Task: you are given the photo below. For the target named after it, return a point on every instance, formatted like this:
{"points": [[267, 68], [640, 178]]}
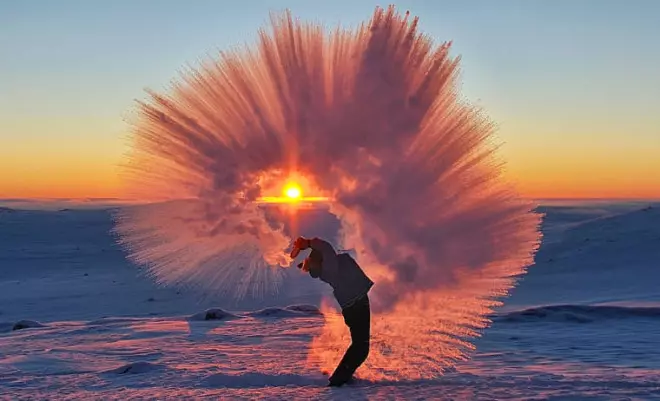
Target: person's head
{"points": [[313, 261]]}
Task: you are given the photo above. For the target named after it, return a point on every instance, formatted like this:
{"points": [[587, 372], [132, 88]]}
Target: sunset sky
{"points": [[573, 85]]}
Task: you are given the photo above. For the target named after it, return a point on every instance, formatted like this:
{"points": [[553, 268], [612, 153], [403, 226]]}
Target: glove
{"points": [[298, 245]]}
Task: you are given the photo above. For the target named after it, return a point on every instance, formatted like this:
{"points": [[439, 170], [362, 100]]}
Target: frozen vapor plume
{"points": [[373, 118]]}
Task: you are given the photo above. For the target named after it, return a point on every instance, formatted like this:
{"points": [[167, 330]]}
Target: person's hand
{"points": [[298, 245], [304, 266]]}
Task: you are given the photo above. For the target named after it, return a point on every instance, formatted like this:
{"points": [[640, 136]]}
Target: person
{"points": [[350, 287]]}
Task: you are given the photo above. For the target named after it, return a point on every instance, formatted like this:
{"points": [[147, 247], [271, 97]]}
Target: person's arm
{"points": [[315, 271], [330, 262]]}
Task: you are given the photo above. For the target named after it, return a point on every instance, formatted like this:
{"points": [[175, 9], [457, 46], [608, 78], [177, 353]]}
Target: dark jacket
{"points": [[341, 271]]}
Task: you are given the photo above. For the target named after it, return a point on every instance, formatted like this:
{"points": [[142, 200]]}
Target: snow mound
{"points": [[254, 379], [289, 311], [579, 313], [26, 324], [615, 241], [212, 314], [135, 368], [306, 309]]}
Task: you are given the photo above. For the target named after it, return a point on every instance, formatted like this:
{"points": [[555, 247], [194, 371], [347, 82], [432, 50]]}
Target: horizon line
{"points": [[114, 199]]}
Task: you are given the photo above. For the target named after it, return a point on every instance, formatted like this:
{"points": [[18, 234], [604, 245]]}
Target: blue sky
{"points": [[549, 72]]}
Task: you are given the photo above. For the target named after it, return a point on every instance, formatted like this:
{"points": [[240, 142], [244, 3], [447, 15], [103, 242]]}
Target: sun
{"points": [[293, 191]]}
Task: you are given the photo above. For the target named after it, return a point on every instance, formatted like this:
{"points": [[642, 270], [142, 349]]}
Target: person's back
{"points": [[350, 287], [348, 282]]}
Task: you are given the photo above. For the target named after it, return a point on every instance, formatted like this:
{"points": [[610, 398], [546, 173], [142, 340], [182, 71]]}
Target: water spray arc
{"points": [[373, 119]]}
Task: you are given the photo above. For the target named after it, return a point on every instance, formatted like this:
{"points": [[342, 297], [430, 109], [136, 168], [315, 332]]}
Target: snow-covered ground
{"points": [[78, 322]]}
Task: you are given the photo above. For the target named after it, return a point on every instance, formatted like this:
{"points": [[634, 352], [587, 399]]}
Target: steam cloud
{"points": [[374, 119]]}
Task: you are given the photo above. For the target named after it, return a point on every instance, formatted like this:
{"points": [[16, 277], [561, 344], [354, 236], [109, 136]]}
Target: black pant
{"points": [[358, 319]]}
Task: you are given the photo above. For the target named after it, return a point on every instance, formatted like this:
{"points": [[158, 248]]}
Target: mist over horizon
{"points": [[108, 203]]}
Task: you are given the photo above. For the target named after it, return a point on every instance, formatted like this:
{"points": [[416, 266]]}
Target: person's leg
{"points": [[358, 320], [360, 333]]}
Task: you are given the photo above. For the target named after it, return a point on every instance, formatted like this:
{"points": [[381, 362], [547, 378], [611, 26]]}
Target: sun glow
{"points": [[293, 193]]}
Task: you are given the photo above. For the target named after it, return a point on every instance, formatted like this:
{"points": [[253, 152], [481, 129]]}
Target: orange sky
{"points": [[79, 157], [61, 157], [79, 178]]}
